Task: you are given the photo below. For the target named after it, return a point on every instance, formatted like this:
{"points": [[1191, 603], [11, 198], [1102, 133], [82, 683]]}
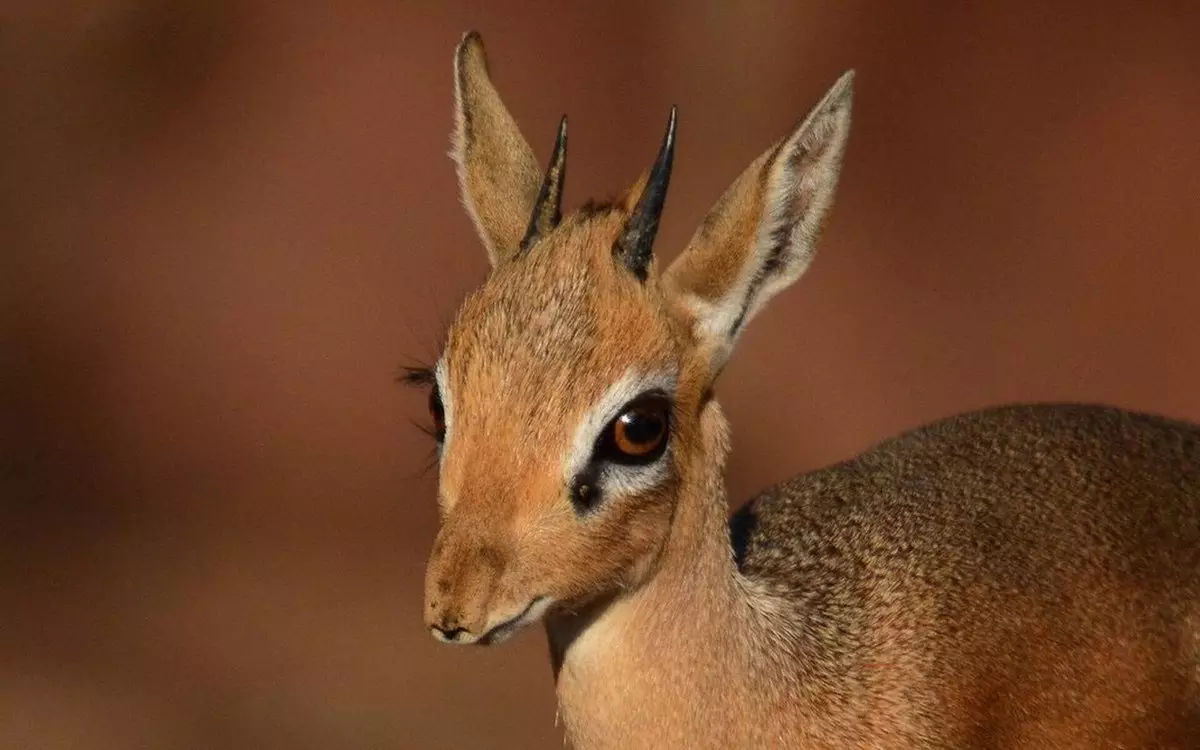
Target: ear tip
{"points": [[844, 88], [471, 45]]}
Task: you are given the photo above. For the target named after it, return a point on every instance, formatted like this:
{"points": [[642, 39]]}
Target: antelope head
{"points": [[569, 398]]}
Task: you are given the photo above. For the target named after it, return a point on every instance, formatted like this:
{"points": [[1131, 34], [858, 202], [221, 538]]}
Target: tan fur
{"points": [[1020, 577]]}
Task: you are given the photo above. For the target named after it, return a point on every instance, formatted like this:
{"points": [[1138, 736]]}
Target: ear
{"points": [[760, 236], [498, 174]]}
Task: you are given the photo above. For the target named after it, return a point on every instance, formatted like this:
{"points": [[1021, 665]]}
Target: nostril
{"points": [[449, 634]]}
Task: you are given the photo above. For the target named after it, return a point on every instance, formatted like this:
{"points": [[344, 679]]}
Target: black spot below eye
{"points": [[639, 434], [438, 412], [585, 490]]}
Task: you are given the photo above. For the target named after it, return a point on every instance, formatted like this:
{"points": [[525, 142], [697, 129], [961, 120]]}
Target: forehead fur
{"points": [[552, 329]]}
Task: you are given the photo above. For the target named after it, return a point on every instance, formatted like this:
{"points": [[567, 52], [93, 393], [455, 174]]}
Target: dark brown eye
{"points": [[639, 434], [438, 412]]}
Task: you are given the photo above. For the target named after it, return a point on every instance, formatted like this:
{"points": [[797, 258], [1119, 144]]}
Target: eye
{"points": [[438, 412], [639, 434]]}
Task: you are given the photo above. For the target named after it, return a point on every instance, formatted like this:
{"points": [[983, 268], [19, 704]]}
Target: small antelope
{"points": [[1019, 577]]}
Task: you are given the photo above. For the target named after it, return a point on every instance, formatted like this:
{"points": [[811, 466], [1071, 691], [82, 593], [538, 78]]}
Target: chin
{"points": [[502, 631]]}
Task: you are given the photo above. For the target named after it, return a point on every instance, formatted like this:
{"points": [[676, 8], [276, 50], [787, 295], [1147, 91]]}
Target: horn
{"points": [[636, 243], [547, 211]]}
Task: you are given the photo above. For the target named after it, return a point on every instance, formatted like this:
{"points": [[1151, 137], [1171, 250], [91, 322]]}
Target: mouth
{"points": [[502, 631]]}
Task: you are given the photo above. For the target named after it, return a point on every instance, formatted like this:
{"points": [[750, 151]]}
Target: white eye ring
{"points": [[616, 477], [443, 387]]}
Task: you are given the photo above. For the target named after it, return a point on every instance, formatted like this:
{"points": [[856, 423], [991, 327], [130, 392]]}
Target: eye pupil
{"points": [[640, 433], [641, 427]]}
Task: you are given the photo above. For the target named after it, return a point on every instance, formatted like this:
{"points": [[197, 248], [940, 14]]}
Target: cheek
{"points": [[570, 556], [629, 536]]}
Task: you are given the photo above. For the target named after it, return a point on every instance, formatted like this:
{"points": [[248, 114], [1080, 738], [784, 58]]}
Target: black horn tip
{"points": [[636, 243], [547, 210], [557, 171], [560, 145]]}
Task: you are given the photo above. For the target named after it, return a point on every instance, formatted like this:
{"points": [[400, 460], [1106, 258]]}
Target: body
{"points": [[1049, 597], [1022, 577]]}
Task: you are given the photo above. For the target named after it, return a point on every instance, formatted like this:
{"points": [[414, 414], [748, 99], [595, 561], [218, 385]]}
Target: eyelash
{"points": [[418, 376], [421, 376]]}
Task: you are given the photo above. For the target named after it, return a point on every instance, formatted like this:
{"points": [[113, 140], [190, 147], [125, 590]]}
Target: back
{"points": [[1038, 566]]}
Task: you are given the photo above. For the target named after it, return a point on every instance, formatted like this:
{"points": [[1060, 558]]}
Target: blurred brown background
{"points": [[224, 226]]}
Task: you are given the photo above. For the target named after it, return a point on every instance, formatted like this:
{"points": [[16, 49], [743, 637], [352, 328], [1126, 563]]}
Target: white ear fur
{"points": [[761, 236]]}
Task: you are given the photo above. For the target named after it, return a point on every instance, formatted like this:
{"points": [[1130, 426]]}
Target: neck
{"points": [[660, 659]]}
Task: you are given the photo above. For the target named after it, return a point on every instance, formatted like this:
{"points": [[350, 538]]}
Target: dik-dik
{"points": [[1019, 577]]}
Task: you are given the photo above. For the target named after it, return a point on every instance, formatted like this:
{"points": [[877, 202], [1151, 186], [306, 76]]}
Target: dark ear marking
{"points": [[547, 211], [780, 240], [635, 246]]}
